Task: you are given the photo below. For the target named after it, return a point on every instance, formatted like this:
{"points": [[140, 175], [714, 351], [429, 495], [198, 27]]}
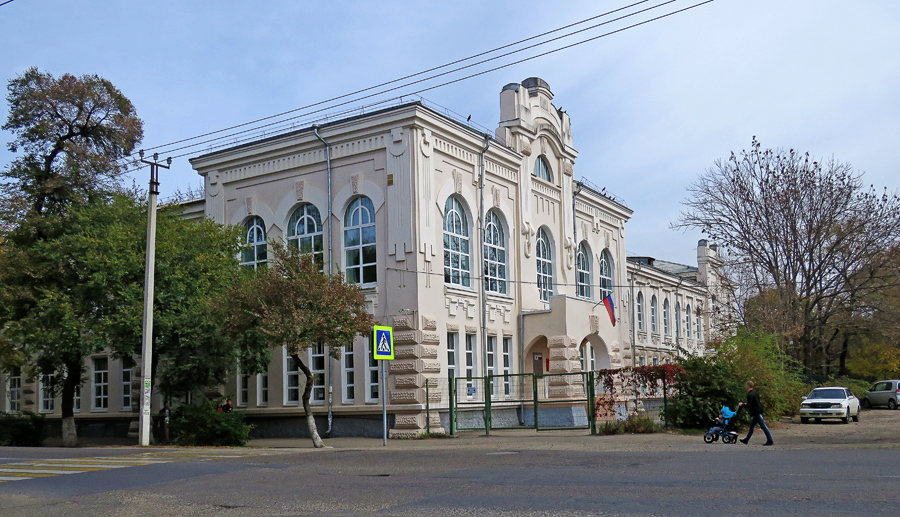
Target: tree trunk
{"points": [[845, 349], [72, 380], [307, 391]]}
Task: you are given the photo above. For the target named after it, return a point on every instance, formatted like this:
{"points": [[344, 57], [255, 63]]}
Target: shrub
{"points": [[22, 430], [611, 427], [701, 389], [203, 424], [633, 425]]}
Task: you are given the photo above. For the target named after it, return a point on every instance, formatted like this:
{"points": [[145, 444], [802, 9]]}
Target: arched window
{"points": [[653, 320], [456, 244], [687, 321], [677, 320], [542, 169], [667, 329], [304, 232], [583, 272], [640, 311], [606, 274], [699, 326], [359, 242], [543, 253], [254, 254], [494, 254]]}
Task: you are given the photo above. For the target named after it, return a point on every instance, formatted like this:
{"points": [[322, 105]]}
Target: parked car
{"points": [[831, 402], [883, 393]]}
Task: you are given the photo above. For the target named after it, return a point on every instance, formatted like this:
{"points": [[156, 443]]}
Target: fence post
{"points": [[487, 404], [427, 409], [665, 406], [452, 407], [535, 395], [592, 404]]}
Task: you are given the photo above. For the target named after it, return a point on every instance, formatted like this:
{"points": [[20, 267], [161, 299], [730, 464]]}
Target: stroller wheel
{"points": [[728, 439], [708, 438]]}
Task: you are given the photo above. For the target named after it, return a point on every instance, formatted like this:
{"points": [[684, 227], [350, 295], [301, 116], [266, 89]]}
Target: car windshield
{"points": [[827, 394]]}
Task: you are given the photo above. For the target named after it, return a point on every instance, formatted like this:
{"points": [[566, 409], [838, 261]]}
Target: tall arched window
{"points": [[653, 313], [359, 242], [542, 169], [494, 254], [699, 326], [583, 272], [677, 320], [304, 232], [456, 244], [687, 321], [254, 254], [544, 256], [667, 329], [606, 274], [640, 311]]}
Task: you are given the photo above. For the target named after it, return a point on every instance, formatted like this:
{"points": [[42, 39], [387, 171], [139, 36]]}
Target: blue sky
{"points": [[651, 107]]}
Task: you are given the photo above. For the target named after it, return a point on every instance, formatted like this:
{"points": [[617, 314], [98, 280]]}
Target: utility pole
{"points": [[147, 336]]}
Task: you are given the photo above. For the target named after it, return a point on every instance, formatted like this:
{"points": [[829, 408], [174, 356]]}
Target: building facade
{"points": [[482, 251]]}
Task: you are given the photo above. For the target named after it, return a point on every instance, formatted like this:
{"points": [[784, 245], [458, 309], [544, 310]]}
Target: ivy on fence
{"points": [[617, 385]]}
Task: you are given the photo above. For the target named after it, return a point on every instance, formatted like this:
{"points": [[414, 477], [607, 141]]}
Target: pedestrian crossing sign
{"points": [[383, 343]]}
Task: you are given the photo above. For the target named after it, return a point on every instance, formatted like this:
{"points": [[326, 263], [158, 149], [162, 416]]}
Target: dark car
{"points": [[883, 393]]}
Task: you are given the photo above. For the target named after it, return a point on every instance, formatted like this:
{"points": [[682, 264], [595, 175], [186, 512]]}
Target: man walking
{"points": [[754, 406]]}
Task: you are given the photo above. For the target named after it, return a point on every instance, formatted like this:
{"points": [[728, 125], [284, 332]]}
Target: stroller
{"points": [[721, 429]]}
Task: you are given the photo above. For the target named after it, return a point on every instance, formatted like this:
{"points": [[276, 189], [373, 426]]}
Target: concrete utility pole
{"points": [[147, 336]]}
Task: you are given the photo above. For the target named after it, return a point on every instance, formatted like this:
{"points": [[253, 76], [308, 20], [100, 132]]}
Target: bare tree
{"points": [[802, 235]]}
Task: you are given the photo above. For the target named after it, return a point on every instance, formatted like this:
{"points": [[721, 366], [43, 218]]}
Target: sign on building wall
{"points": [[383, 343]]}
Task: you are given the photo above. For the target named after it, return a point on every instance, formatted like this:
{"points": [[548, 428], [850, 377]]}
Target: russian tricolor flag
{"points": [[610, 308]]}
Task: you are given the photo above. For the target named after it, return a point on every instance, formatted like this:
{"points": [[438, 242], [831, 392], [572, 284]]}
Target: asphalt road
{"points": [[812, 470]]}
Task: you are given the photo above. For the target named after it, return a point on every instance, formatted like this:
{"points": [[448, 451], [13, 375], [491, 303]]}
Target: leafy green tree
{"points": [[294, 304]]}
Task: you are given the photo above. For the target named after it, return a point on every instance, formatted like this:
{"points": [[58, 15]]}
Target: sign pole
{"points": [[383, 350], [384, 403]]}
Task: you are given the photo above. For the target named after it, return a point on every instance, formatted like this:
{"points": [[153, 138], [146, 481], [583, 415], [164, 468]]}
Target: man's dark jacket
{"points": [[753, 405]]}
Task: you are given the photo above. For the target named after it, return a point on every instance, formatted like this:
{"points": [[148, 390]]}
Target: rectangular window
{"points": [[291, 381], [471, 370], [243, 389], [349, 375], [100, 381], [491, 363], [452, 350], [126, 388], [371, 375], [317, 367], [642, 361], [507, 362], [48, 403], [76, 399], [14, 390], [262, 389]]}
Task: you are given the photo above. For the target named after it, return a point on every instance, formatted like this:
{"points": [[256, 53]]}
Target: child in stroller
{"points": [[720, 428]]}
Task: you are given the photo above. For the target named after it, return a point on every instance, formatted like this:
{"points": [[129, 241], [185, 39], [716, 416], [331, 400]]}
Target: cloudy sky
{"points": [[651, 106]]}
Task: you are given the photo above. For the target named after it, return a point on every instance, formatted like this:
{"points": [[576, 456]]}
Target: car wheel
{"points": [[804, 420], [856, 416], [866, 404], [846, 419], [892, 404], [708, 438]]}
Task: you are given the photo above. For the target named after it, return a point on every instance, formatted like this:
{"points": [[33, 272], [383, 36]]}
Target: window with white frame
{"points": [[76, 399], [542, 169], [491, 365], [606, 274], [677, 320], [317, 368], [544, 257], [456, 244], [494, 254], [507, 364], [304, 233], [14, 390], [667, 330], [452, 351], [471, 370], [291, 380], [262, 389], [583, 272], [48, 400], [243, 389], [642, 361], [699, 326], [653, 305], [348, 373], [254, 254], [371, 376], [687, 321], [100, 382], [125, 376], [640, 311], [359, 242], [656, 361], [588, 360]]}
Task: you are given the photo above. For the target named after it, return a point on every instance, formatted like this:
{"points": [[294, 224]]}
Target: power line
{"points": [[7, 2], [433, 77]]}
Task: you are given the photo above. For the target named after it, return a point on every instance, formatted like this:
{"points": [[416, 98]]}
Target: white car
{"points": [[835, 402]]}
